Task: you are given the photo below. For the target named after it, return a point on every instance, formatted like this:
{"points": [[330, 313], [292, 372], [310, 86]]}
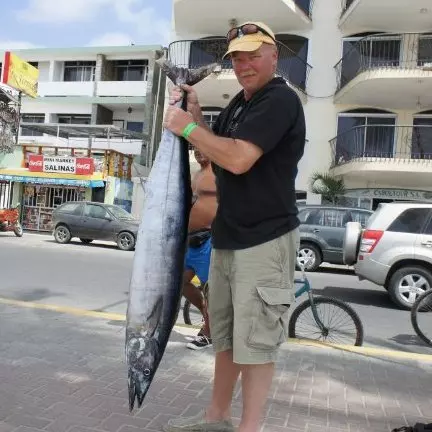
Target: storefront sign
{"points": [[20, 75], [394, 194], [61, 164]]}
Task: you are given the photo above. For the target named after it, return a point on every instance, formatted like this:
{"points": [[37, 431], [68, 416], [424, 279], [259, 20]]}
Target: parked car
{"points": [[322, 230], [94, 221], [394, 250]]}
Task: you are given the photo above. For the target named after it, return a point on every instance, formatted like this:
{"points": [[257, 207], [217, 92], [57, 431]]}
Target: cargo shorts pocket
{"points": [[269, 324]]}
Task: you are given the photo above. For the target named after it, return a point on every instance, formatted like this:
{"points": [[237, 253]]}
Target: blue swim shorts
{"points": [[198, 260]]}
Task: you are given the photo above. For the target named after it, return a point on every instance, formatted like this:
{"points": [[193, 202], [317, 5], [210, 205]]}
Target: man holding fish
{"points": [[254, 146]]}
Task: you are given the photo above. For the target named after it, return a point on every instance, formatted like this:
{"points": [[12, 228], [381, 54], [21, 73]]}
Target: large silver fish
{"points": [[157, 274]]}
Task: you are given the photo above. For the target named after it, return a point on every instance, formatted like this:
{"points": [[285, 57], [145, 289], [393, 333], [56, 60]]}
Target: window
{"points": [[32, 118], [135, 126], [365, 134], [425, 51], [79, 71], [421, 147], [308, 216], [72, 208], [362, 53], [74, 119], [428, 229], [360, 217], [131, 70], [331, 218], [410, 221], [95, 211]]}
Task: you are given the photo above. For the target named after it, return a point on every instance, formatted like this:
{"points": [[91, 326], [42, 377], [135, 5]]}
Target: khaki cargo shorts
{"points": [[250, 293]]}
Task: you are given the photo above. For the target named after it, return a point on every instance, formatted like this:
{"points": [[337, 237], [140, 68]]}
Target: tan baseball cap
{"points": [[251, 42]]}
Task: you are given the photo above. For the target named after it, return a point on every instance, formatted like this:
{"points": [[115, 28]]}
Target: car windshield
{"points": [[120, 213]]}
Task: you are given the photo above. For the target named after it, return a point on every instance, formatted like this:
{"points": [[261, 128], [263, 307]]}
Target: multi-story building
{"points": [[363, 70], [101, 103]]}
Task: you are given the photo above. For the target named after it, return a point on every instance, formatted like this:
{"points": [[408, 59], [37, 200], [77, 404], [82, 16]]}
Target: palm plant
{"points": [[329, 187]]}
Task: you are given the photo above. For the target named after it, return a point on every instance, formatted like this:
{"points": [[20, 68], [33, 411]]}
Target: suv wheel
{"points": [[309, 256], [407, 284]]}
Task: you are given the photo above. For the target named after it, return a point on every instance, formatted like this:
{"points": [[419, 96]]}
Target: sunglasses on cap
{"points": [[246, 29]]}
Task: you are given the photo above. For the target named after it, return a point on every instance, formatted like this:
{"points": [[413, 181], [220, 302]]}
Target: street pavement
{"points": [[96, 277], [64, 370], [65, 373]]}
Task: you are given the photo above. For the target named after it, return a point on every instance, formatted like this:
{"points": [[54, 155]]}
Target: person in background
{"points": [[199, 249]]}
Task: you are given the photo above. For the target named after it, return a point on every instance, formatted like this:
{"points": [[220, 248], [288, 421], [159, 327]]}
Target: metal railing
{"points": [[386, 51], [382, 142], [201, 52]]}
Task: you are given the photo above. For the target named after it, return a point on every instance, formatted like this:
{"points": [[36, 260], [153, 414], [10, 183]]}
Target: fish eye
{"points": [[146, 372]]}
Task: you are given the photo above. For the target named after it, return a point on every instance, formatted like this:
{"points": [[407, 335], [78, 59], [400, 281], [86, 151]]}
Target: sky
{"points": [[76, 23]]}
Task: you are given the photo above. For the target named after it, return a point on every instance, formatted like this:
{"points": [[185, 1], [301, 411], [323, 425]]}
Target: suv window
{"points": [[411, 221], [428, 229], [360, 216], [332, 218], [95, 211], [307, 216], [71, 208]]}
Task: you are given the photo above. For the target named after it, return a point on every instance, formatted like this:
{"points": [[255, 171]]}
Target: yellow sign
{"points": [[20, 75]]}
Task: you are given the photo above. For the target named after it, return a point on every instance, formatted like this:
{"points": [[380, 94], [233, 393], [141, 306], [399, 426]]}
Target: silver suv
{"points": [[394, 250]]}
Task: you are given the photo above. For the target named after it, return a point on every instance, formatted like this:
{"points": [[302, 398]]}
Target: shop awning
{"points": [[23, 176]]}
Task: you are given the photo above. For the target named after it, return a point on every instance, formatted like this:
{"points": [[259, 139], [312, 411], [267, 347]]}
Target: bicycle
{"points": [[422, 322], [344, 322]]}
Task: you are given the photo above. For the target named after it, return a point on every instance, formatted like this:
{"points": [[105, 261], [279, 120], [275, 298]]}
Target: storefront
{"points": [[371, 198], [46, 180]]}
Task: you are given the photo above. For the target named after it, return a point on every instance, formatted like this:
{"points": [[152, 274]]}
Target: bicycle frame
{"points": [[306, 288]]}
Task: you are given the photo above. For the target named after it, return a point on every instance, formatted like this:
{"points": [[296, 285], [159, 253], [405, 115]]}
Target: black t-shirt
{"points": [[260, 205]]}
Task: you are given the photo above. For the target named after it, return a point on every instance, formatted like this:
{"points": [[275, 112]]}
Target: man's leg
{"points": [[263, 290], [216, 417], [190, 291]]}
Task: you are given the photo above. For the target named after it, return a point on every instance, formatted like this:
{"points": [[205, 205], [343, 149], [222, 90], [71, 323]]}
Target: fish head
{"points": [[143, 354]]}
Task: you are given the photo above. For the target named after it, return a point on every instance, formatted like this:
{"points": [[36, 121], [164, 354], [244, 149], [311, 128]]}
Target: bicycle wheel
{"points": [[421, 320], [341, 323]]}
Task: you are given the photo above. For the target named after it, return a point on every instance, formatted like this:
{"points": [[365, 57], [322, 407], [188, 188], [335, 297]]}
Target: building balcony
{"points": [[386, 15], [215, 16], [388, 70], [221, 86], [121, 88], [397, 155], [66, 88]]}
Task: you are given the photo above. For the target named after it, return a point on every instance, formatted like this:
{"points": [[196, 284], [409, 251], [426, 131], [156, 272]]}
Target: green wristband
{"points": [[188, 129]]}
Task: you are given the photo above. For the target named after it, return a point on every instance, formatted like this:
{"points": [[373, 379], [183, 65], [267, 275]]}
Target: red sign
{"points": [[61, 164]]}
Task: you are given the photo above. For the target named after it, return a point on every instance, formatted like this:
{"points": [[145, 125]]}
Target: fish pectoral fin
{"points": [[154, 318]]}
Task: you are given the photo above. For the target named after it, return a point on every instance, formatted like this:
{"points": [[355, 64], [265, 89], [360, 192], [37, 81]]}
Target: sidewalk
{"points": [[63, 373]]}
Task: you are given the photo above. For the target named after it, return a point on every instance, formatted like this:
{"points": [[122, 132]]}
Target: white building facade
{"points": [[363, 71], [106, 104]]}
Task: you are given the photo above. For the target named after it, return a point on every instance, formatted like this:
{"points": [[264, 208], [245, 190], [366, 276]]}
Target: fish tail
{"points": [[181, 75]]}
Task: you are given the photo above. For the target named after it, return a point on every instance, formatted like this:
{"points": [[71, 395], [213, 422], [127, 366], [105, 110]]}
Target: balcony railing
{"points": [[201, 52], [377, 143], [385, 52]]}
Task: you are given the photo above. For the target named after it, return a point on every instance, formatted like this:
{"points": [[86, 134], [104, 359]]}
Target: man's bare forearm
{"points": [[225, 152]]}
